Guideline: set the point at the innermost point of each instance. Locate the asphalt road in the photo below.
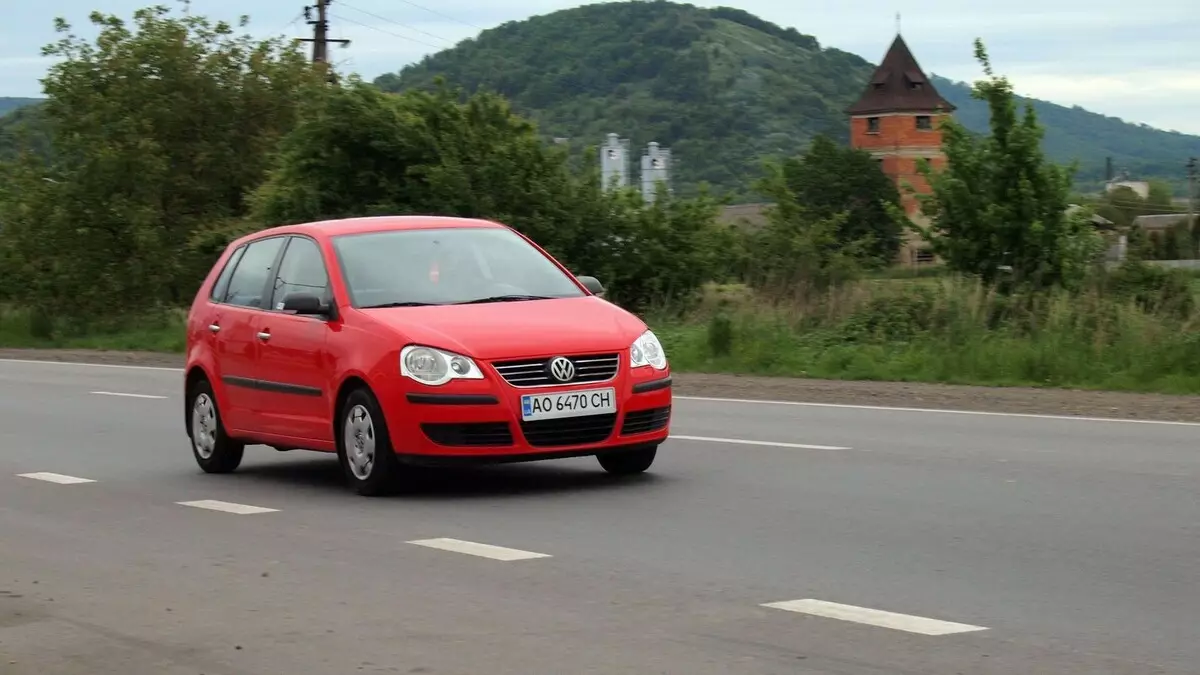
(1001, 544)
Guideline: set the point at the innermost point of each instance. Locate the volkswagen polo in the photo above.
(416, 340)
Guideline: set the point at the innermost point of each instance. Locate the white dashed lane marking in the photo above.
(874, 617)
(743, 441)
(227, 507)
(118, 393)
(481, 550)
(59, 478)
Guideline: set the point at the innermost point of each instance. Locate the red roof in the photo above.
(899, 85)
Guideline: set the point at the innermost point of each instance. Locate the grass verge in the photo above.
(158, 334)
(949, 331)
(929, 330)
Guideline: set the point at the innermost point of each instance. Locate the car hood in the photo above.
(520, 329)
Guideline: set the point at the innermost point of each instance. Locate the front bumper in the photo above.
(482, 422)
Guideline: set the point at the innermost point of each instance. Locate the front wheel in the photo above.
(212, 447)
(365, 447)
(628, 462)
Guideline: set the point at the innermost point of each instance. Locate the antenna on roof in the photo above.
(897, 23)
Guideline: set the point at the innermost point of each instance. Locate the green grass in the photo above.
(949, 331)
(160, 334)
(939, 329)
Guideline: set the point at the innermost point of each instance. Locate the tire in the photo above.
(365, 446)
(628, 462)
(212, 447)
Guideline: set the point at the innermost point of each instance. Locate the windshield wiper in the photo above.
(400, 304)
(503, 298)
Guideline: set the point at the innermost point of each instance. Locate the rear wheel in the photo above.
(628, 462)
(213, 449)
(364, 445)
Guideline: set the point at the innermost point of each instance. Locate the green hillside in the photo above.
(10, 103)
(1075, 133)
(723, 88)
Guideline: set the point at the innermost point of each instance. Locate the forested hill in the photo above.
(723, 88)
(10, 103)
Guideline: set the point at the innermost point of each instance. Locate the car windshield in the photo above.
(404, 268)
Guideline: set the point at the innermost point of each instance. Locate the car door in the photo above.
(295, 368)
(245, 298)
(211, 319)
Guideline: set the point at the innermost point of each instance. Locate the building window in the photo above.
(924, 122)
(923, 256)
(872, 125)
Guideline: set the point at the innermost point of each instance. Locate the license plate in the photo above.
(568, 404)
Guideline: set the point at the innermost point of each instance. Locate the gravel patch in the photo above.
(1122, 405)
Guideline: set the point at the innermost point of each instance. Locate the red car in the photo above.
(416, 340)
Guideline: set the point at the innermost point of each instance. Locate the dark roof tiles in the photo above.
(899, 85)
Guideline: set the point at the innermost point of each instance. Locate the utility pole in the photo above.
(1193, 229)
(320, 38)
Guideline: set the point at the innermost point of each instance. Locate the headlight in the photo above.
(435, 367)
(647, 351)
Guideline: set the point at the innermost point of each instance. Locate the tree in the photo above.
(798, 247)
(999, 207)
(158, 131)
(831, 179)
(359, 151)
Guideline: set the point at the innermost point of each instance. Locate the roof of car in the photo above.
(331, 228)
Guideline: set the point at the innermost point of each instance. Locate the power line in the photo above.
(444, 16)
(388, 32)
(289, 24)
(398, 23)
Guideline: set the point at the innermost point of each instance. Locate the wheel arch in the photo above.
(194, 374)
(349, 383)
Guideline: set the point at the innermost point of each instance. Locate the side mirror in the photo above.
(305, 304)
(593, 285)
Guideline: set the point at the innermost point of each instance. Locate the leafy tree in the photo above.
(359, 151)
(832, 179)
(999, 207)
(800, 247)
(158, 130)
(23, 130)
(1159, 196)
(1139, 245)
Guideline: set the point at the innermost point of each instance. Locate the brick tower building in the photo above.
(896, 120)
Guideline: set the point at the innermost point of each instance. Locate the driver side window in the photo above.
(251, 274)
(301, 271)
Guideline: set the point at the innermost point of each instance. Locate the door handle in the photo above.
(264, 336)
(214, 328)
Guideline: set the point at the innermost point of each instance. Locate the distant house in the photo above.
(1159, 222)
(744, 215)
(1141, 187)
(1098, 220)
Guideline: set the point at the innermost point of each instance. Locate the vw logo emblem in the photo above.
(562, 369)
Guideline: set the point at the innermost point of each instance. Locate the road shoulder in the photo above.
(1023, 400)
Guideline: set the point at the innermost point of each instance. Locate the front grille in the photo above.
(536, 372)
(645, 421)
(477, 434)
(569, 431)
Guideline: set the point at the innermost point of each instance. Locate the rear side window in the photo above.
(301, 271)
(249, 280)
(222, 285)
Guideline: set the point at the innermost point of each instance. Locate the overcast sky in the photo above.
(1138, 61)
